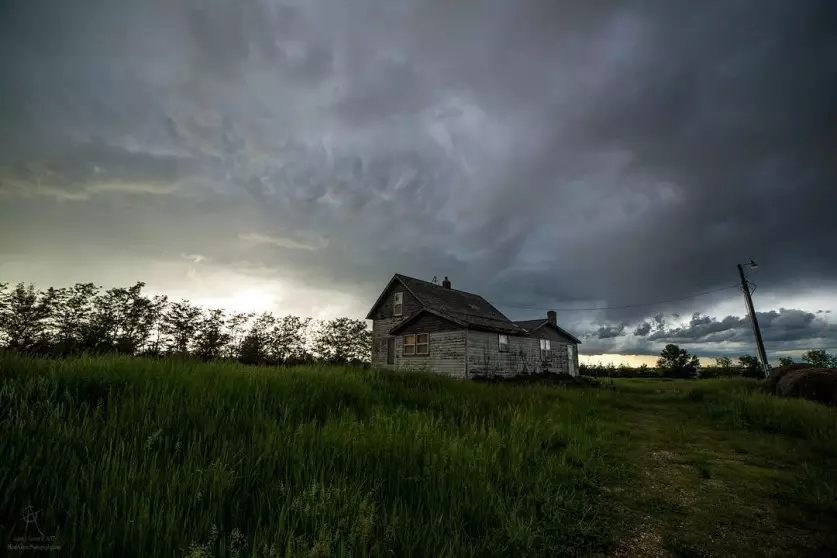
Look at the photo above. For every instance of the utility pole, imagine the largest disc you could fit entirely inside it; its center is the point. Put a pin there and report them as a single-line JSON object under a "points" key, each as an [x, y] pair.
{"points": [[745, 286]]}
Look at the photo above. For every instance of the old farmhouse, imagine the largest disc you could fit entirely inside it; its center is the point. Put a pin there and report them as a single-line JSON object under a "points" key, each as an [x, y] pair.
{"points": [[419, 325]]}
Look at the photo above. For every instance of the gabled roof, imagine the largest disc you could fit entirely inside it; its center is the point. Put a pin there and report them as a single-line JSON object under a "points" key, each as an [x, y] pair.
{"points": [[533, 325], [468, 309], [465, 309]]}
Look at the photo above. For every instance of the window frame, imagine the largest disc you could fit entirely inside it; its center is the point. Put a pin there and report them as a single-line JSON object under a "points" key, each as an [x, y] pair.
{"points": [[419, 344], [397, 304], [416, 348], [503, 345], [406, 344]]}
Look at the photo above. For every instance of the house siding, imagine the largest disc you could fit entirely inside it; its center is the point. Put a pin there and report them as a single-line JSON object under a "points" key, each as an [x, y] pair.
{"points": [[523, 356], [559, 343], [380, 334], [383, 320], [446, 354]]}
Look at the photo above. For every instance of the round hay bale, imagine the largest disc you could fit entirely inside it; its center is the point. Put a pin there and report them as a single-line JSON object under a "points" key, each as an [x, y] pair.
{"points": [[776, 375], [814, 384]]}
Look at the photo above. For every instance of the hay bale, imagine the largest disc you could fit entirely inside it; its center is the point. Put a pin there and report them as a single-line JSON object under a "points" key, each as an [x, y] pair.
{"points": [[814, 384], [776, 375]]}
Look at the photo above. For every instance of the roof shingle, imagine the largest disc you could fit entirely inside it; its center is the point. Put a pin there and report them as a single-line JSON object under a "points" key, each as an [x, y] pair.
{"points": [[468, 308]]}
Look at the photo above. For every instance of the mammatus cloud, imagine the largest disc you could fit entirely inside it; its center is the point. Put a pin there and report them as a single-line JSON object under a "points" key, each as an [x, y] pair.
{"points": [[545, 153], [609, 332]]}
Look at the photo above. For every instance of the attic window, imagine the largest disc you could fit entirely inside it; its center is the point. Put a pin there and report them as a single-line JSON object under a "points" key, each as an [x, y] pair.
{"points": [[398, 304], [546, 348], [504, 342]]}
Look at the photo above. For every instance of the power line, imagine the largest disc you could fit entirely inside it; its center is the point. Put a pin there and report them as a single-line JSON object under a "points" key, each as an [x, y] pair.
{"points": [[695, 295]]}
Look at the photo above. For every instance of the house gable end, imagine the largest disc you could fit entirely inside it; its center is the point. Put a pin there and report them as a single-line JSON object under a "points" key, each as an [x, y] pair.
{"points": [[562, 334], [383, 307]]}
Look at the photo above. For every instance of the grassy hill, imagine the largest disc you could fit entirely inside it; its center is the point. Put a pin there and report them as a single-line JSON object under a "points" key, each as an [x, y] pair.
{"points": [[133, 457]]}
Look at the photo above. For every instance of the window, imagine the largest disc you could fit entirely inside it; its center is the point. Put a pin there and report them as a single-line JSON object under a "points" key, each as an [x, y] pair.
{"points": [[546, 349], [422, 344], [397, 304], [504, 343], [416, 344]]}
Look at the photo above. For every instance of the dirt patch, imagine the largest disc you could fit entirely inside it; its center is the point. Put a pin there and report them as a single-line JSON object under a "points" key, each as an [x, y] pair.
{"points": [[645, 543]]}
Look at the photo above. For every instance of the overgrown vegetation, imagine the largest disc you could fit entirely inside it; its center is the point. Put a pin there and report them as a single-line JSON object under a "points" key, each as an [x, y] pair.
{"points": [[142, 457], [85, 319]]}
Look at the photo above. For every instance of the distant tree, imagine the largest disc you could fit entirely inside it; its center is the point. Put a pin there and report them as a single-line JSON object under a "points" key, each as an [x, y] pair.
{"points": [[750, 367], [723, 362], [24, 316], [287, 340], [121, 319], [255, 345], [212, 336], [180, 321], [343, 340], [236, 327], [677, 363], [135, 317], [820, 359], [785, 361], [155, 344], [71, 316]]}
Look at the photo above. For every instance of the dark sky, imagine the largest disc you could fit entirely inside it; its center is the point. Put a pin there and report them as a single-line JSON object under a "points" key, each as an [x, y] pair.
{"points": [[550, 154]]}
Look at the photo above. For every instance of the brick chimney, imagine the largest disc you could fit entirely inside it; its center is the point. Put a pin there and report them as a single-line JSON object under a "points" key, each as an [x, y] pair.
{"points": [[552, 317], [446, 283]]}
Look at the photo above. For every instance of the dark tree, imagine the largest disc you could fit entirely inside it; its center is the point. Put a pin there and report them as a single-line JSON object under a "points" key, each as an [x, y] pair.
{"points": [[83, 318], [287, 340], [135, 318], [154, 347], [785, 361], [180, 322], [212, 336], [236, 327], [820, 359], [24, 316], [71, 317], [255, 345], [750, 367], [677, 363], [343, 340]]}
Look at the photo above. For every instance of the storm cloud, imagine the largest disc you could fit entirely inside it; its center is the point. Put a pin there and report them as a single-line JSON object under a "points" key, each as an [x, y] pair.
{"points": [[546, 154]]}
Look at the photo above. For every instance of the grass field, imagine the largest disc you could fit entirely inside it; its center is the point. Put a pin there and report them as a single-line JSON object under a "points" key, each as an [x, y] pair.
{"points": [[132, 457]]}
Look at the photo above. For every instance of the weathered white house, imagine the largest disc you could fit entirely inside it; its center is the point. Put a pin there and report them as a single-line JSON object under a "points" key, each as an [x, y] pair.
{"points": [[418, 325]]}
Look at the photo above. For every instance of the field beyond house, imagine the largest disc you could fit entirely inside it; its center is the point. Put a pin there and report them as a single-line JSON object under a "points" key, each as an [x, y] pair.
{"points": [[135, 457]]}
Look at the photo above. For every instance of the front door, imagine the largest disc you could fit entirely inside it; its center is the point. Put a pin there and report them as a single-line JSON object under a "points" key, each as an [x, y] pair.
{"points": [[391, 350]]}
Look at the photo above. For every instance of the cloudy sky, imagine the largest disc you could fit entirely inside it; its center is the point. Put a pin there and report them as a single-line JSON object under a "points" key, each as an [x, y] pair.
{"points": [[292, 156]]}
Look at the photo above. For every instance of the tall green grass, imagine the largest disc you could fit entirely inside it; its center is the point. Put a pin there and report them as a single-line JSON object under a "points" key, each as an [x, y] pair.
{"points": [[742, 404], [134, 457]]}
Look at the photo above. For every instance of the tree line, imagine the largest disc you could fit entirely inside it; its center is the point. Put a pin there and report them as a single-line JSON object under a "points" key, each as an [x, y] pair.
{"points": [[85, 318], [676, 362]]}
